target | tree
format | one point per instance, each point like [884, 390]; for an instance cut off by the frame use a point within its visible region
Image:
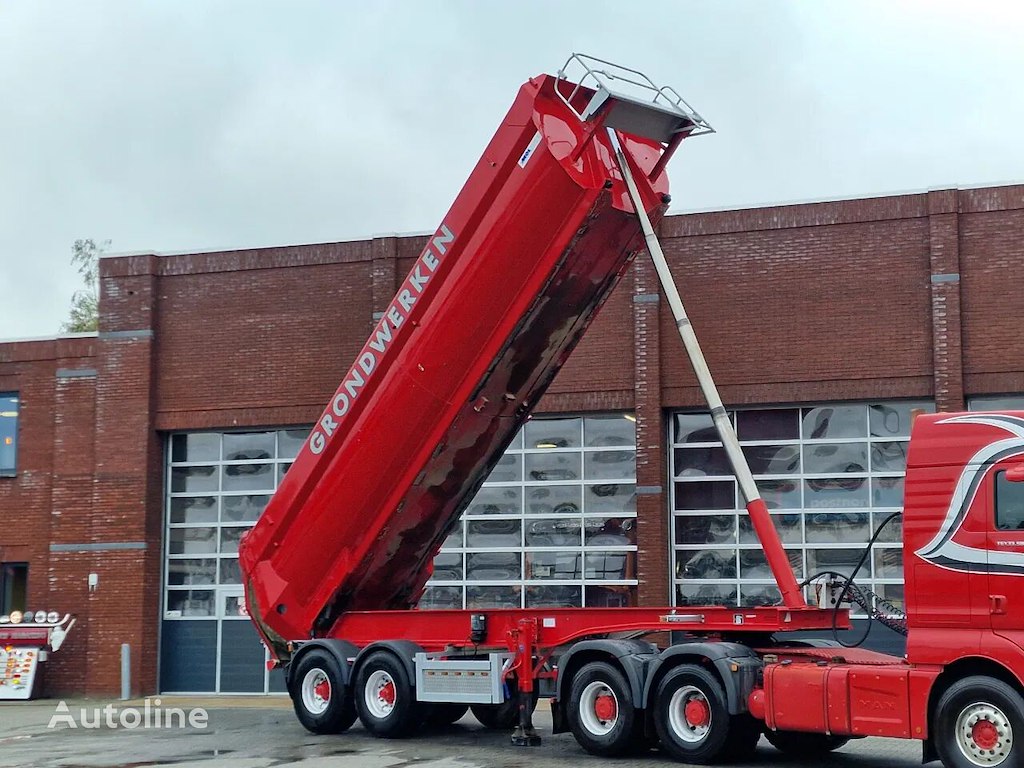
[85, 304]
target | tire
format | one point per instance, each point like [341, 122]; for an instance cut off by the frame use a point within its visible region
[601, 714]
[504, 716]
[440, 715]
[321, 699]
[385, 699]
[799, 744]
[978, 722]
[745, 733]
[692, 719]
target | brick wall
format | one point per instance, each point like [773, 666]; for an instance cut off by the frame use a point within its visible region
[903, 296]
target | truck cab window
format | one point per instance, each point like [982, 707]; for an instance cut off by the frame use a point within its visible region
[1009, 504]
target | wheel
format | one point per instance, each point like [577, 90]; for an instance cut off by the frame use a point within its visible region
[439, 715]
[692, 719]
[744, 733]
[504, 716]
[600, 713]
[798, 744]
[385, 698]
[977, 722]
[321, 702]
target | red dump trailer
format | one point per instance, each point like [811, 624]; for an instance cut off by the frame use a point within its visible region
[561, 201]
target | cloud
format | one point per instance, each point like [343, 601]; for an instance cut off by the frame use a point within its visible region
[179, 126]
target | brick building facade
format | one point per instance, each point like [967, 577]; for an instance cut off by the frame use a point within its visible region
[902, 298]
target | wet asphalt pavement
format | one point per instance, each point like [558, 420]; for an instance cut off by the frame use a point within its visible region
[266, 735]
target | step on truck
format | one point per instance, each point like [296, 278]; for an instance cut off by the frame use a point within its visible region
[564, 197]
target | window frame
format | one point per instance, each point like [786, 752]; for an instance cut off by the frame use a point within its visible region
[15, 397]
[999, 480]
[6, 609]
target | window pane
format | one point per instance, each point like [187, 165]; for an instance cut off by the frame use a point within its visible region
[605, 465]
[889, 457]
[553, 532]
[772, 459]
[553, 499]
[893, 419]
[496, 501]
[243, 509]
[201, 446]
[610, 566]
[454, 538]
[837, 527]
[552, 433]
[893, 532]
[706, 564]
[230, 573]
[1009, 504]
[839, 560]
[493, 597]
[787, 526]
[701, 462]
[610, 499]
[835, 458]
[494, 533]
[754, 565]
[780, 494]
[893, 593]
[695, 428]
[613, 596]
[186, 572]
[709, 495]
[610, 430]
[289, 442]
[768, 424]
[192, 541]
[193, 509]
[888, 563]
[230, 538]
[887, 492]
[835, 421]
[249, 446]
[191, 602]
[997, 403]
[448, 567]
[248, 477]
[554, 596]
[554, 565]
[509, 469]
[193, 479]
[493, 566]
[610, 531]
[705, 594]
[836, 493]
[705, 529]
[8, 433]
[440, 598]
[553, 466]
[759, 594]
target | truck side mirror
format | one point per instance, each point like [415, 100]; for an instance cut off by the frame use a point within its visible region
[1015, 474]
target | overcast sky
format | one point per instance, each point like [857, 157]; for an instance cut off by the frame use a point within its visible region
[186, 125]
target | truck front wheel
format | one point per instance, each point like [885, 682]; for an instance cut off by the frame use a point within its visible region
[601, 714]
[385, 697]
[978, 722]
[318, 694]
